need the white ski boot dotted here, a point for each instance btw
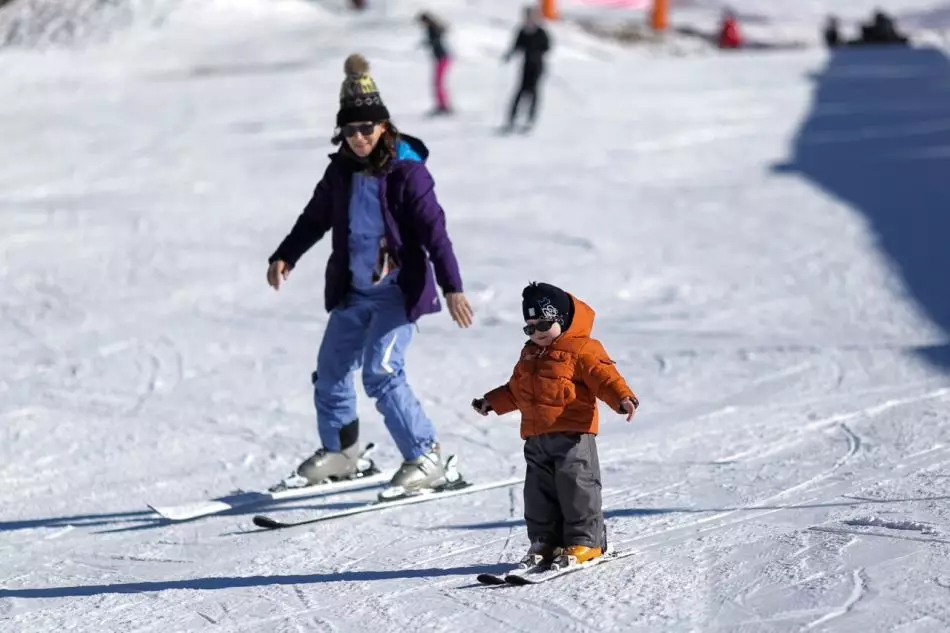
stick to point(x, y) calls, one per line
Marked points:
point(328, 466)
point(422, 475)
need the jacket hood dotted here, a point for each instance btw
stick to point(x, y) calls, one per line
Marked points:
point(416, 144)
point(583, 322)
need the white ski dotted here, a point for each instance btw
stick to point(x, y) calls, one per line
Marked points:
point(292, 487)
point(541, 574)
point(197, 509)
point(376, 506)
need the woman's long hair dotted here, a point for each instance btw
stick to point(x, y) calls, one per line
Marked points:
point(382, 154)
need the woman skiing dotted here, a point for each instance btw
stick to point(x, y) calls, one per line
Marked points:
point(560, 376)
point(388, 232)
point(435, 40)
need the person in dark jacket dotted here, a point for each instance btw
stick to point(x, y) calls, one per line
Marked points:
point(832, 32)
point(435, 40)
point(533, 43)
point(388, 230)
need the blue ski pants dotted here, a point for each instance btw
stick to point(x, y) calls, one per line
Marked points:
point(370, 331)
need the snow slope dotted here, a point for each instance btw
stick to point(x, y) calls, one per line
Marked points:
point(762, 236)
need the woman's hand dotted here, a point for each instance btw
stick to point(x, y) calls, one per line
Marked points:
point(459, 308)
point(277, 273)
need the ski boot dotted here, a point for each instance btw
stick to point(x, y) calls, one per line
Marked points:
point(424, 474)
point(575, 555)
point(539, 554)
point(328, 466)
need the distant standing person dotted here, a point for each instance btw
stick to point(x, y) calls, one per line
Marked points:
point(533, 42)
point(435, 40)
point(729, 35)
point(832, 33)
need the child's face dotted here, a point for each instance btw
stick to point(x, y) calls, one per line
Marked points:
point(533, 329)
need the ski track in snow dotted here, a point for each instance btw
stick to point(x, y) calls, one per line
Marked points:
point(787, 471)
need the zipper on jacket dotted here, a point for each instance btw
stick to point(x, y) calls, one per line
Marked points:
point(534, 396)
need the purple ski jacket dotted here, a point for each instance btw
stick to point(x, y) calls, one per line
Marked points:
point(415, 230)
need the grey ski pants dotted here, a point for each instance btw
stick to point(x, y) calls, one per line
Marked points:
point(562, 502)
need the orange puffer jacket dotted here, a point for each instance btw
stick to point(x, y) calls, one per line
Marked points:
point(556, 387)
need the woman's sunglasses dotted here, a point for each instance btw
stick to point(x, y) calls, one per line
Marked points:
point(540, 326)
point(364, 129)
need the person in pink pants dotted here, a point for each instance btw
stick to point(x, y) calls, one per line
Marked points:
point(435, 33)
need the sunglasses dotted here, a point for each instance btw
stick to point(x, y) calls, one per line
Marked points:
point(364, 129)
point(540, 326)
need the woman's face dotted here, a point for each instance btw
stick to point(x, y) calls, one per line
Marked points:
point(362, 136)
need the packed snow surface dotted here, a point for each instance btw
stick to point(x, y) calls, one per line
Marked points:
point(762, 234)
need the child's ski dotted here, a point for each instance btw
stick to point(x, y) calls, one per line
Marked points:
point(499, 579)
point(542, 573)
point(453, 490)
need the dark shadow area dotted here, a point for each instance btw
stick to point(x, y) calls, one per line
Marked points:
point(638, 512)
point(878, 138)
point(232, 582)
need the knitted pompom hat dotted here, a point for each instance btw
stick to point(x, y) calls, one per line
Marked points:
point(359, 97)
point(548, 303)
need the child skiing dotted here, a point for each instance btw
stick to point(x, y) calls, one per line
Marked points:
point(377, 198)
point(556, 383)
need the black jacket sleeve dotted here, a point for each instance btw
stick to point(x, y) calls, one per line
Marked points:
point(311, 225)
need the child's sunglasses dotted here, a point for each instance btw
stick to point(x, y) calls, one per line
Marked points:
point(365, 129)
point(540, 326)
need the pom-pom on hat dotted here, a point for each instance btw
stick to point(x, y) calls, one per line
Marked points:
point(359, 97)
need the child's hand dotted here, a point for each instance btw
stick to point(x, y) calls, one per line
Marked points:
point(627, 406)
point(481, 405)
point(277, 273)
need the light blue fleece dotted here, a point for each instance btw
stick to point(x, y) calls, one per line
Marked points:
point(366, 224)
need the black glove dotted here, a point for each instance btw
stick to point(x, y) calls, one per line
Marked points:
point(477, 404)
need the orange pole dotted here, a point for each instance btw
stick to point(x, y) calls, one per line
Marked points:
point(661, 15)
point(549, 10)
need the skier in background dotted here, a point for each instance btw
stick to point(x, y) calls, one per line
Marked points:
point(533, 43)
point(729, 36)
point(435, 40)
point(555, 385)
point(379, 281)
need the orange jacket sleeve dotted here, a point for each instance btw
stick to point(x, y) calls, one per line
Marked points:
point(600, 375)
point(501, 399)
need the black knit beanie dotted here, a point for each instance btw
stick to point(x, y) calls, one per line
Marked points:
point(359, 97)
point(548, 303)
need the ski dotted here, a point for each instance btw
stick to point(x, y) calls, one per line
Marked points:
point(521, 568)
point(289, 488)
point(455, 489)
point(500, 579)
point(542, 573)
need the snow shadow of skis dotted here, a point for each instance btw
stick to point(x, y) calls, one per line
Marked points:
point(878, 138)
point(233, 582)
